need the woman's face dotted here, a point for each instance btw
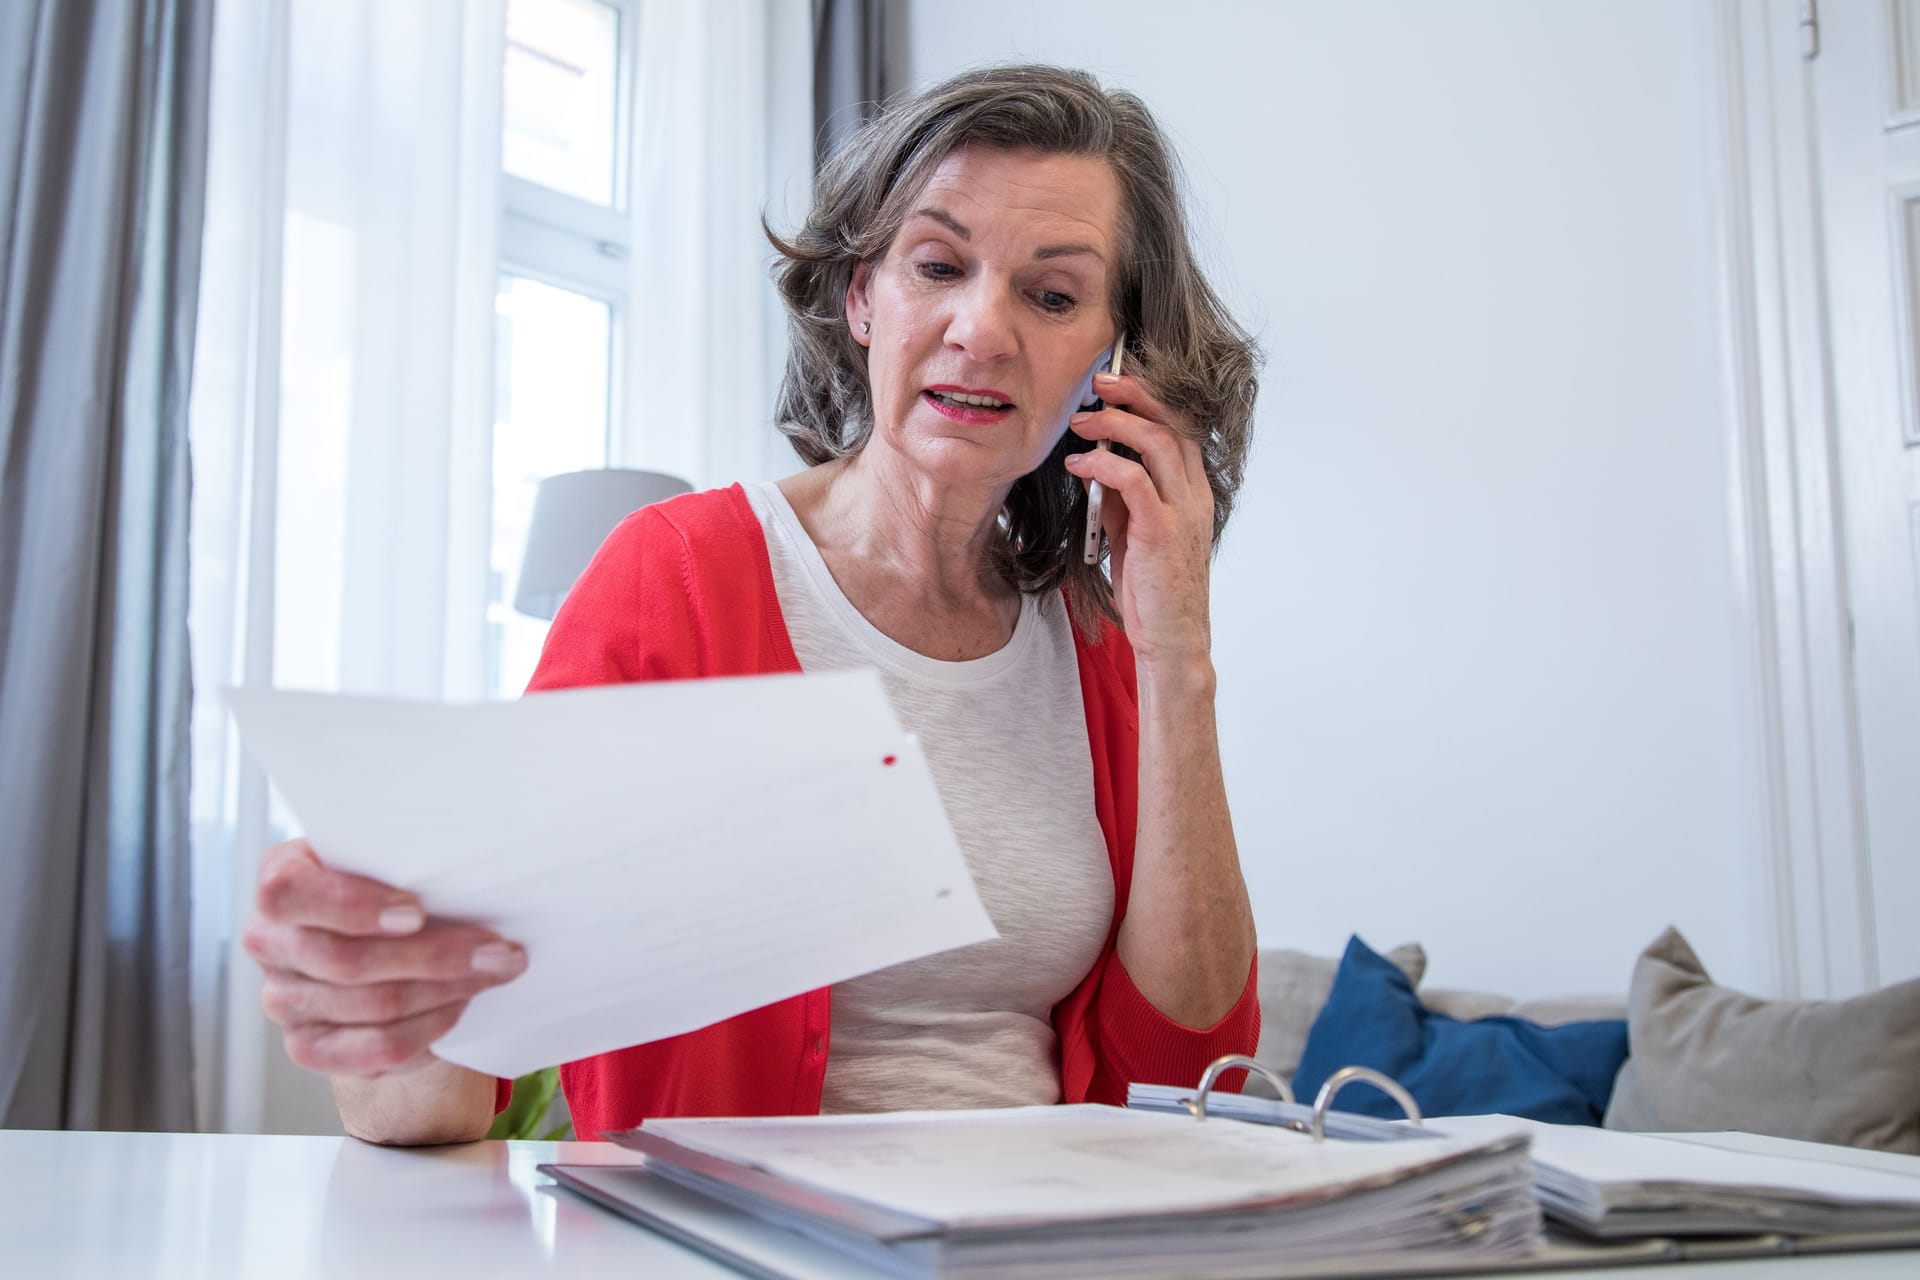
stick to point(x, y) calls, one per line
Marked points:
point(995, 290)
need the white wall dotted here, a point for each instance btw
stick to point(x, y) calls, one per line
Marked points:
point(1483, 673)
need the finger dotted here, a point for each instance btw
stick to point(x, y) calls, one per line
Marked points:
point(1128, 392)
point(1114, 518)
point(1121, 476)
point(439, 952)
point(369, 1051)
point(292, 999)
point(296, 888)
point(1157, 444)
point(1114, 521)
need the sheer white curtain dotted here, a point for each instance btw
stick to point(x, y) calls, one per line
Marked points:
point(343, 402)
point(341, 419)
point(724, 134)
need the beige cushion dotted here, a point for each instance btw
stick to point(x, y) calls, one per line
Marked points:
point(1558, 1010)
point(1708, 1058)
point(1468, 1005)
point(1293, 986)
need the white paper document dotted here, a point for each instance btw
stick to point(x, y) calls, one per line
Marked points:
point(1622, 1185)
point(670, 854)
point(1610, 1159)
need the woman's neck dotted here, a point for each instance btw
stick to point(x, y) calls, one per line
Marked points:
point(912, 556)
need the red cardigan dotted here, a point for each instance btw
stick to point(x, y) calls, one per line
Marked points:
point(684, 589)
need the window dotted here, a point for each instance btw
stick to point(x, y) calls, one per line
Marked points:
point(552, 355)
point(560, 96)
point(567, 89)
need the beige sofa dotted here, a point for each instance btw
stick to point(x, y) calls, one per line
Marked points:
point(1704, 1057)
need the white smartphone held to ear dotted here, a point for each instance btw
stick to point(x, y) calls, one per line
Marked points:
point(1096, 493)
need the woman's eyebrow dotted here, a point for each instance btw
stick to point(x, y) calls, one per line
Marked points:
point(946, 220)
point(960, 229)
point(1068, 251)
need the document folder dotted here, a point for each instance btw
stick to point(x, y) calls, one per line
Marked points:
point(1611, 1196)
point(1069, 1191)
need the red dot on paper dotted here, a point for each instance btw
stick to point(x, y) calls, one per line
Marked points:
point(888, 759)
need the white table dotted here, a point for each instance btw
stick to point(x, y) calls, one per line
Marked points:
point(207, 1205)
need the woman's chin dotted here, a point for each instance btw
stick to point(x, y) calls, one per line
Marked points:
point(951, 458)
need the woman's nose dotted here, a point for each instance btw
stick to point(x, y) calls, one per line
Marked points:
point(982, 321)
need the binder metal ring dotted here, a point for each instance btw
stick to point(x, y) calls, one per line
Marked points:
point(1323, 1102)
point(1197, 1105)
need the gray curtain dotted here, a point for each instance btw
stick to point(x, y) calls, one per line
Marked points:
point(103, 118)
point(849, 69)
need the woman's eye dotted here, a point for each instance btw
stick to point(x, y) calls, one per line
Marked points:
point(939, 270)
point(1049, 300)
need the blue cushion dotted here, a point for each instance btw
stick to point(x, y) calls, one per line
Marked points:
point(1373, 1019)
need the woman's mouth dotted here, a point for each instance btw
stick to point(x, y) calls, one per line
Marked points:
point(975, 408)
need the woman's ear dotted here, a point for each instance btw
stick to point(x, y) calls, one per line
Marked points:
point(859, 306)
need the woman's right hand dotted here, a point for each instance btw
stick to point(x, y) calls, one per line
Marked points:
point(359, 980)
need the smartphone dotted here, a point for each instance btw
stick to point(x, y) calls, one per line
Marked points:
point(1096, 494)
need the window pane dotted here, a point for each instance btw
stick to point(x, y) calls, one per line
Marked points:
point(551, 350)
point(560, 91)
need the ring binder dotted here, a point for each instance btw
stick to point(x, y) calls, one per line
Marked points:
point(1197, 1105)
point(1059, 1191)
point(1322, 1103)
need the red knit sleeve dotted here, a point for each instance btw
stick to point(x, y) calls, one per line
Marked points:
point(629, 617)
point(1111, 1034)
point(1134, 1041)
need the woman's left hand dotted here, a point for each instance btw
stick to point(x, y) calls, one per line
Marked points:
point(1158, 518)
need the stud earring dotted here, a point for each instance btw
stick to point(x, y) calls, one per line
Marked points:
point(866, 327)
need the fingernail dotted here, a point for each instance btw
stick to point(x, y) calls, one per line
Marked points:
point(498, 957)
point(1105, 379)
point(1079, 418)
point(401, 919)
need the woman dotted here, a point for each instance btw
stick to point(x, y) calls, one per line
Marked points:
point(971, 257)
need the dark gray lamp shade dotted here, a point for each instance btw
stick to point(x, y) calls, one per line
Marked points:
point(572, 515)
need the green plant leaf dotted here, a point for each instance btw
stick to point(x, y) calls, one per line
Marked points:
point(527, 1112)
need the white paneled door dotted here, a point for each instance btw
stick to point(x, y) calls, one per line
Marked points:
point(1865, 78)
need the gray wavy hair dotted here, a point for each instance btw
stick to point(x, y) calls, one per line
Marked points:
point(1181, 341)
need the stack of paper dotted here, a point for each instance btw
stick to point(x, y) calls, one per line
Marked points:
point(1090, 1191)
point(1617, 1185)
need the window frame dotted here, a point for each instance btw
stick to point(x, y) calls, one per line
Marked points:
point(570, 243)
point(574, 244)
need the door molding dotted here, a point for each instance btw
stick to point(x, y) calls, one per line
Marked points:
point(1788, 544)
